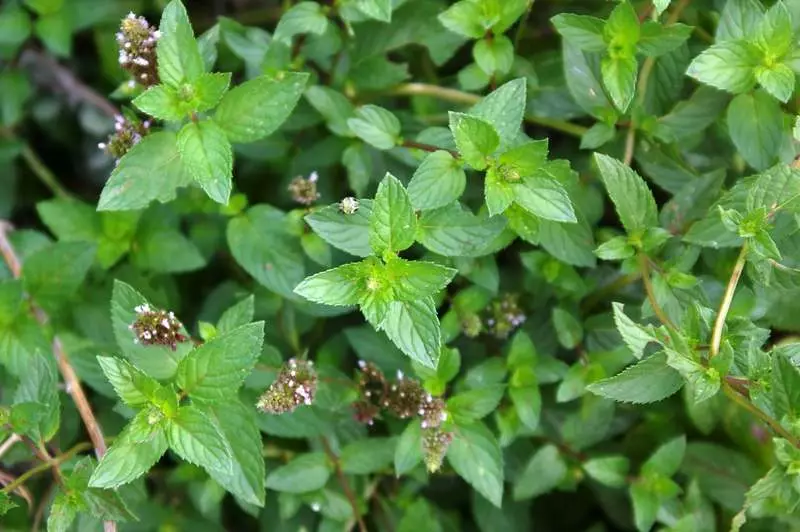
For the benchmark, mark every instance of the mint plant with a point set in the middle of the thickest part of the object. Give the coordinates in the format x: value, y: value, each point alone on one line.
x: 413, y: 265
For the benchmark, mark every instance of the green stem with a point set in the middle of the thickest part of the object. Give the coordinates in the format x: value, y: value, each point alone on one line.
x: 44, y: 466
x: 727, y: 299
x: 457, y: 96
x: 766, y: 418
x: 43, y: 172
x: 644, y: 267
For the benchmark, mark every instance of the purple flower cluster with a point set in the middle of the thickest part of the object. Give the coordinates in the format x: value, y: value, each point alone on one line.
x: 296, y: 385
x: 156, y: 327
x: 137, y: 41
x: 127, y: 133
x: 304, y: 190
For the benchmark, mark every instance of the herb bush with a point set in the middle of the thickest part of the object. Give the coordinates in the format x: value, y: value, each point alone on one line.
x: 400, y: 265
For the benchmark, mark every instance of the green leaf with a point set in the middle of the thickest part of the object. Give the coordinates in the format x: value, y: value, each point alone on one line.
x: 526, y: 397
x: 755, y: 123
x: 568, y: 329
x: 777, y: 188
x: 16, y: 90
x: 544, y: 472
x: 262, y: 245
x: 179, y: 59
x: 216, y: 369
x: 545, y: 198
x: 645, y: 506
x: 494, y: 56
x: 53, y: 274
x: 729, y: 66
x: 163, y: 249
x: 55, y: 31
x: 207, y: 154
x: 237, y: 423
x: 208, y: 90
x: 258, y: 107
x: 785, y: 381
x: 608, y: 470
x: 39, y: 386
x: 658, y: 40
x: 160, y: 102
x: 413, y: 280
x: 437, y: 182
x: 193, y: 437
x: 619, y: 79
x: 408, y: 453
x: 393, y: 222
x: 466, y: 18
x: 100, y: 503
x: 413, y: 326
x: 635, y: 336
x: 571, y: 243
x: 307, y: 472
x: 503, y: 109
x: 160, y: 362
x: 476, y: 139
x: 377, y: 9
x: 348, y: 232
x: 477, y: 458
x: 151, y: 170
x: 304, y: 17
x: 357, y: 159
x: 647, y: 381
x: 238, y: 315
x: 132, y: 385
x: 453, y: 231
x: 376, y: 126
x: 341, y: 286
x: 63, y: 512
x: 366, y: 456
x: 334, y: 107
x: 475, y: 404
x: 666, y: 460
x: 583, y: 31
x: 138, y: 447
x: 631, y: 196
x: 778, y: 80
x: 419, y: 516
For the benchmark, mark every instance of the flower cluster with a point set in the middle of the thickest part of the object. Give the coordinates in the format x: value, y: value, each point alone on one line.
x: 137, y: 49
x: 304, y: 191
x: 435, y: 442
x: 295, y: 386
x: 349, y: 205
x: 403, y: 398
x: 156, y: 327
x: 127, y: 134
x: 505, y: 315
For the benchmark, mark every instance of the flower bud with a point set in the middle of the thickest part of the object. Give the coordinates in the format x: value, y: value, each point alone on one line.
x: 126, y: 135
x: 405, y: 397
x: 137, y: 49
x: 434, y: 447
x: 505, y: 316
x: 156, y: 327
x: 304, y: 191
x: 296, y: 385
x: 432, y: 411
x: 349, y: 205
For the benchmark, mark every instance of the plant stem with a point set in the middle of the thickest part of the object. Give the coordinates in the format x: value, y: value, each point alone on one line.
x: 457, y: 96
x: 727, y: 299
x: 44, y: 466
x: 644, y: 267
x: 44, y: 174
x: 348, y: 492
x: 71, y: 381
x: 766, y: 418
x: 9, y: 443
x: 427, y: 147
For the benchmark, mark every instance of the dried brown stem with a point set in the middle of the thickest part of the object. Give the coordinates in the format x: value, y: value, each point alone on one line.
x: 348, y: 492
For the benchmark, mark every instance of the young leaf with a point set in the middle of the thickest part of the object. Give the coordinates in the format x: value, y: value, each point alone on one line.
x: 367, y: 456
x: 393, y: 222
x: 729, y: 66
x: 631, y: 196
x: 376, y: 126
x: 545, y: 198
x: 258, y: 107
x: 179, y: 59
x: 475, y: 404
x: 207, y: 154
x: 504, y: 109
x: 619, y: 79
x: 453, y: 231
x: 303, y: 17
x: 609, y: 470
x: 139, y: 446
x: 413, y: 326
x: 437, y: 182
x: 408, y: 453
x: 216, y: 369
x: 477, y: 458
x: 238, y: 315
x: 151, y: 170
x: 160, y: 102
x: 377, y: 9
x: 666, y: 460
x: 348, y: 232
x: 39, y: 386
x: 755, y: 123
x: 635, y: 336
x: 583, y: 31
x: 53, y: 274
x: 465, y: 18
x: 413, y: 280
x: 341, y: 286
x: 197, y: 440
x: 476, y: 139
x: 647, y: 381
x: 545, y: 470
x: 132, y: 385
x: 307, y: 472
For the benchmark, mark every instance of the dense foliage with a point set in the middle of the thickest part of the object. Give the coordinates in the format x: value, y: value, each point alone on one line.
x: 400, y: 265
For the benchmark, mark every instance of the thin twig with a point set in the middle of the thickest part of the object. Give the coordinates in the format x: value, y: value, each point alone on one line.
x: 644, y: 267
x: 44, y: 466
x: 9, y: 443
x: 766, y: 418
x: 727, y: 299
x: 45, y: 175
x: 71, y: 381
x: 427, y: 147
x: 348, y: 492
x: 457, y: 96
